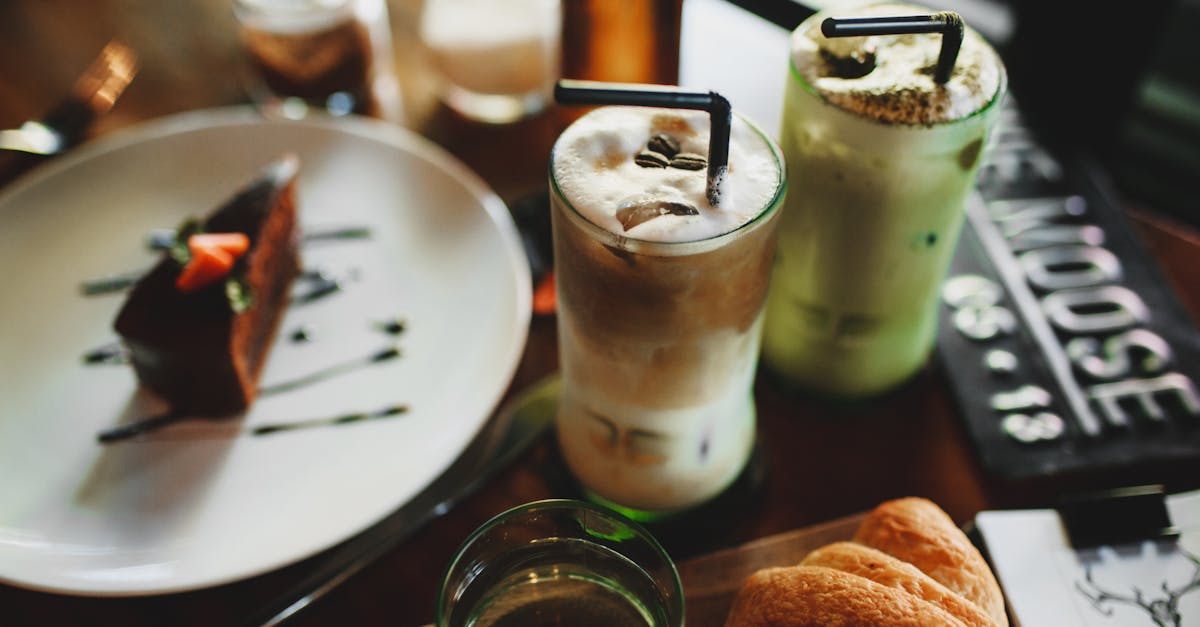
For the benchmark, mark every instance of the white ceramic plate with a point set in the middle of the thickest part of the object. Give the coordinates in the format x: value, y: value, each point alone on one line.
x: 203, y: 503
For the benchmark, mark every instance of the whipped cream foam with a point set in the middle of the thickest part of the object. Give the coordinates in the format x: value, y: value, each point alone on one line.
x: 900, y: 89
x: 593, y: 167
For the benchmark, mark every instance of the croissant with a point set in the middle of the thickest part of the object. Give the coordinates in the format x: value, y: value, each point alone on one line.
x: 908, y: 565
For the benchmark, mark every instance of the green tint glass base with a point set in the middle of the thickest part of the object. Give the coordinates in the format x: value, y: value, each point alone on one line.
x: 690, y: 531
x: 641, y: 516
x: 675, y: 529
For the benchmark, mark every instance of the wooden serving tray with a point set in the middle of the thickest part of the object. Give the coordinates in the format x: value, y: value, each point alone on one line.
x: 710, y: 582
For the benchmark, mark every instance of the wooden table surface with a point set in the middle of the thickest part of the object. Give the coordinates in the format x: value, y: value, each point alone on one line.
x: 822, y: 461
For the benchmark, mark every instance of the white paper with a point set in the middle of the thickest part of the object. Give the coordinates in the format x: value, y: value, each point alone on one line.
x: 1047, y: 582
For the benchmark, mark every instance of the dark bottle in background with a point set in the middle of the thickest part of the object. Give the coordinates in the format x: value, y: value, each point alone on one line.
x: 626, y: 41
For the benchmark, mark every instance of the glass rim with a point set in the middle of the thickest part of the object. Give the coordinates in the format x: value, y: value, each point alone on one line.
x: 312, y: 11
x: 992, y: 103
x: 652, y: 247
x: 677, y: 606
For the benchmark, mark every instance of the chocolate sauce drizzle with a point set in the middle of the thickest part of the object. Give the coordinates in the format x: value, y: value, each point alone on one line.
x: 345, y: 419
x: 379, y: 356
x: 153, y: 423
x: 394, y: 326
x: 111, y: 283
x: 319, y: 284
x: 137, y: 427
x: 163, y: 239
x: 303, y: 334
x: 113, y: 353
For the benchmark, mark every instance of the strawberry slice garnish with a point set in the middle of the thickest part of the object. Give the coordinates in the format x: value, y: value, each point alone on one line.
x: 212, y: 258
x: 235, y: 244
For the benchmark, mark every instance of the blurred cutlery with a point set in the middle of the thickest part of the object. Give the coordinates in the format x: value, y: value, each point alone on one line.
x: 92, y: 95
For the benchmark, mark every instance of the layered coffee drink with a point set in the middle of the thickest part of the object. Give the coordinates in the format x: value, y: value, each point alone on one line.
x: 881, y: 158
x: 318, y: 52
x: 660, y: 298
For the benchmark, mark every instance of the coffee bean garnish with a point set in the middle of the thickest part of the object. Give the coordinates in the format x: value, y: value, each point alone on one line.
x: 641, y: 210
x: 651, y: 159
x: 689, y: 161
x: 664, y: 145
x: 663, y: 151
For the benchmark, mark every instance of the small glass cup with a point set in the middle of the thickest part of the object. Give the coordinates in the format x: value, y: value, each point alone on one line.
x: 328, y: 55
x: 496, y: 62
x: 560, y: 562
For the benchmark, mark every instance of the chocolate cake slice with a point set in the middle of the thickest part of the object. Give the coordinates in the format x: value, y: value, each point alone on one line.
x: 202, y: 349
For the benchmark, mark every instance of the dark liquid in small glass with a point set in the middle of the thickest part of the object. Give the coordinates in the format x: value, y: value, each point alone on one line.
x: 561, y: 601
x: 315, y: 65
x: 564, y: 582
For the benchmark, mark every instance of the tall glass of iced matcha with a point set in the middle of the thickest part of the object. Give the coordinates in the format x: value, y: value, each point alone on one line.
x: 660, y: 296
x: 881, y: 157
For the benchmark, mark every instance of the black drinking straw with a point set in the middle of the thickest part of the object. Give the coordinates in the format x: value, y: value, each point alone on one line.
x: 948, y: 23
x: 720, y: 114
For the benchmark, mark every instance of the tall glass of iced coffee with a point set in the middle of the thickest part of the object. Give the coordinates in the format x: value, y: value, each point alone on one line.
x: 882, y: 151
x: 660, y: 296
